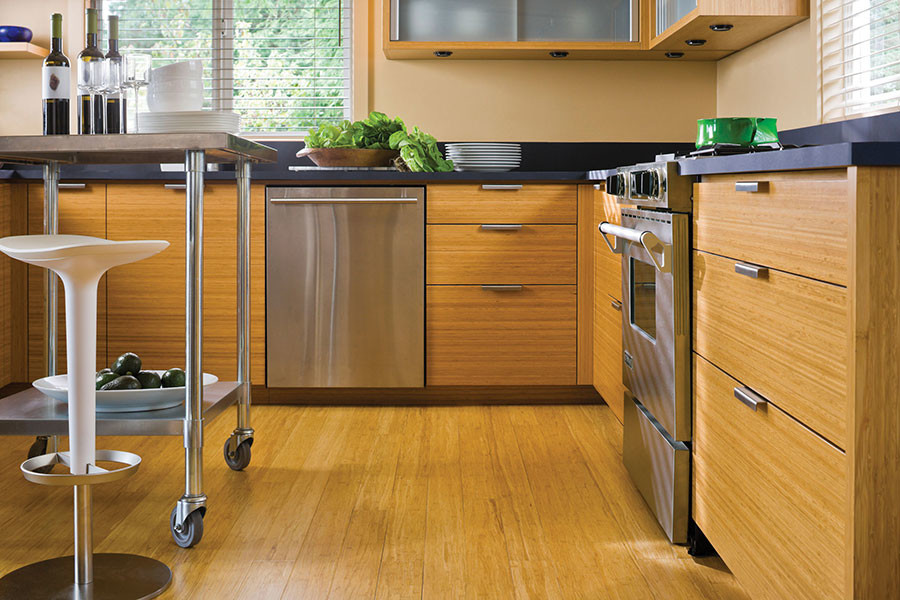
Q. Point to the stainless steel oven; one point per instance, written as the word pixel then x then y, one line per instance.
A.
pixel 655 247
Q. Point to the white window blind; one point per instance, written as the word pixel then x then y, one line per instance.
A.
pixel 859 44
pixel 284 65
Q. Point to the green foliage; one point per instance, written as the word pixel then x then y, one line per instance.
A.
pixel 379 132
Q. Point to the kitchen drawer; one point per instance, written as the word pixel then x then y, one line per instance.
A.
pixel 607 266
pixel 769 494
pixel 607 354
pixel 785 336
pixel 795 222
pixel 477 336
pixel 507 203
pixel 473 254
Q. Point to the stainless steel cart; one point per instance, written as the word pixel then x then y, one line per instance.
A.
pixel 31 413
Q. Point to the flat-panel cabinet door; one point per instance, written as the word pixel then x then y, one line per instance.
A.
pixel 146 298
pixel 82 211
pixel 608 353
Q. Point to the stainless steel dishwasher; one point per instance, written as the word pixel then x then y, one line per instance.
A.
pixel 345 287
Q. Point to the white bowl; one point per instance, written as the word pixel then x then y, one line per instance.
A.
pixel 177 85
pixel 186 69
pixel 57 387
pixel 174 101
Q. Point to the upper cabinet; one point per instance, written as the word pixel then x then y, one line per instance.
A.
pixel 581 29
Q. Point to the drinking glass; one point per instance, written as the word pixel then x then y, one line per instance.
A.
pixel 136 75
pixel 92 82
pixel 115 86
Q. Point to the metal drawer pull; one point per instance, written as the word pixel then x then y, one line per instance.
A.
pixel 750 186
pixel 501 186
pixel 616 304
pixel 647 239
pixel 72 186
pixel 754 271
pixel 343 200
pixel 500 227
pixel 502 288
pixel 597 186
pixel 750 398
pixel 175 186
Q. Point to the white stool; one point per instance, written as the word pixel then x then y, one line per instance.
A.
pixel 81 261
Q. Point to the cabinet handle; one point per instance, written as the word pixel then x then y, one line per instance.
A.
pixel 175 186
pixel 751 186
pixel 72 186
pixel 754 271
pixel 597 186
pixel 502 186
pixel 501 227
pixel 750 398
pixel 502 288
pixel 616 305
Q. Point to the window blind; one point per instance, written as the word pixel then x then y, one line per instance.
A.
pixel 859 45
pixel 284 65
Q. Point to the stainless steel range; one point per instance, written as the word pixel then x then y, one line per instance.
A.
pixel 654 243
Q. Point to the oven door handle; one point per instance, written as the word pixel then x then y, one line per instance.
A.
pixel 647 239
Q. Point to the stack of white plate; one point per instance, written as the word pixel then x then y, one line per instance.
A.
pixel 478 156
pixel 199 121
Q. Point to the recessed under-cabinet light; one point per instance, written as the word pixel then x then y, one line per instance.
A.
pixel 722 27
pixel 559 54
pixel 442 53
pixel 674 54
pixel 694 42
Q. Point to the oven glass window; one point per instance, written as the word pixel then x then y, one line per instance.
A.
pixel 643 297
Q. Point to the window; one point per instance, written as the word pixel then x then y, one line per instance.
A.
pixel 859 45
pixel 284 65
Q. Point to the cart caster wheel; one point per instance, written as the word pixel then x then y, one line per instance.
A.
pixel 39 448
pixel 240 458
pixel 191 531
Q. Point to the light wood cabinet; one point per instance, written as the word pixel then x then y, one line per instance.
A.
pixel 505 203
pixel 14 291
pixel 477 336
pixel 768 492
pixel 800 497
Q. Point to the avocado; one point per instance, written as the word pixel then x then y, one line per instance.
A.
pixel 149 379
pixel 127 364
pixel 173 378
pixel 125 382
pixel 104 377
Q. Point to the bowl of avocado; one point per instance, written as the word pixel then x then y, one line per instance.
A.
pixel 125 386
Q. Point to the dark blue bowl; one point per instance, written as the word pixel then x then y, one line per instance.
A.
pixel 14 33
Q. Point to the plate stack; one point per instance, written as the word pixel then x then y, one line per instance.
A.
pixel 199 121
pixel 477 156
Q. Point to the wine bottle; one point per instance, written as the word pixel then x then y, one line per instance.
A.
pixel 55 76
pixel 90 81
pixel 115 100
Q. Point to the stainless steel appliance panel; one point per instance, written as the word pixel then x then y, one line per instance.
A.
pixel 345 279
pixel 656 319
pixel 660 469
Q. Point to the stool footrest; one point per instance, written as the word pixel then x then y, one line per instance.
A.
pixel 95 474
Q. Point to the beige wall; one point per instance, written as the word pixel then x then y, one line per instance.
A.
pixel 777 77
pixel 542 100
pixel 455 100
pixel 20 80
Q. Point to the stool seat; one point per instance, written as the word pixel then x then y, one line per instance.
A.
pixel 55 252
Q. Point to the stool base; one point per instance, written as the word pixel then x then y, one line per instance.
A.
pixel 116 577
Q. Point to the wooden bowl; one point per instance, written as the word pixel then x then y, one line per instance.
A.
pixel 349 157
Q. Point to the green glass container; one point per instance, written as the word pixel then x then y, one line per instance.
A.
pixel 740 131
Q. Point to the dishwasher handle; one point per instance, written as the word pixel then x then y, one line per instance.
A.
pixel 343 200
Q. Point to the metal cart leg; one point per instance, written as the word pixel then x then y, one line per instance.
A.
pixel 237 447
pixel 187 518
pixel 46 444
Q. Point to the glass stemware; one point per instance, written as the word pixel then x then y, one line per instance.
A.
pixel 136 75
pixel 115 88
pixel 91 84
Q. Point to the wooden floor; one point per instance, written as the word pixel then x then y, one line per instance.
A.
pixel 445 502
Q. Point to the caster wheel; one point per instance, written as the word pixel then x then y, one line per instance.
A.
pixel 191 531
pixel 39 448
pixel 240 458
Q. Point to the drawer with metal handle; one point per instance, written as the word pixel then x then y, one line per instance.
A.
pixel 503 203
pixel 784 336
pixel 501 253
pixel 768 492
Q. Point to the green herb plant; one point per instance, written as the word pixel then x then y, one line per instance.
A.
pixel 418 151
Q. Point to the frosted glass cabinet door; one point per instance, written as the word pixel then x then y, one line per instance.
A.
pixel 453 20
pixel 579 20
pixel 668 12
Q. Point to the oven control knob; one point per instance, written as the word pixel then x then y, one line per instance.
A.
pixel 615 185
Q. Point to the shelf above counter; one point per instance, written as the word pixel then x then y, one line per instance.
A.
pixel 20 50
